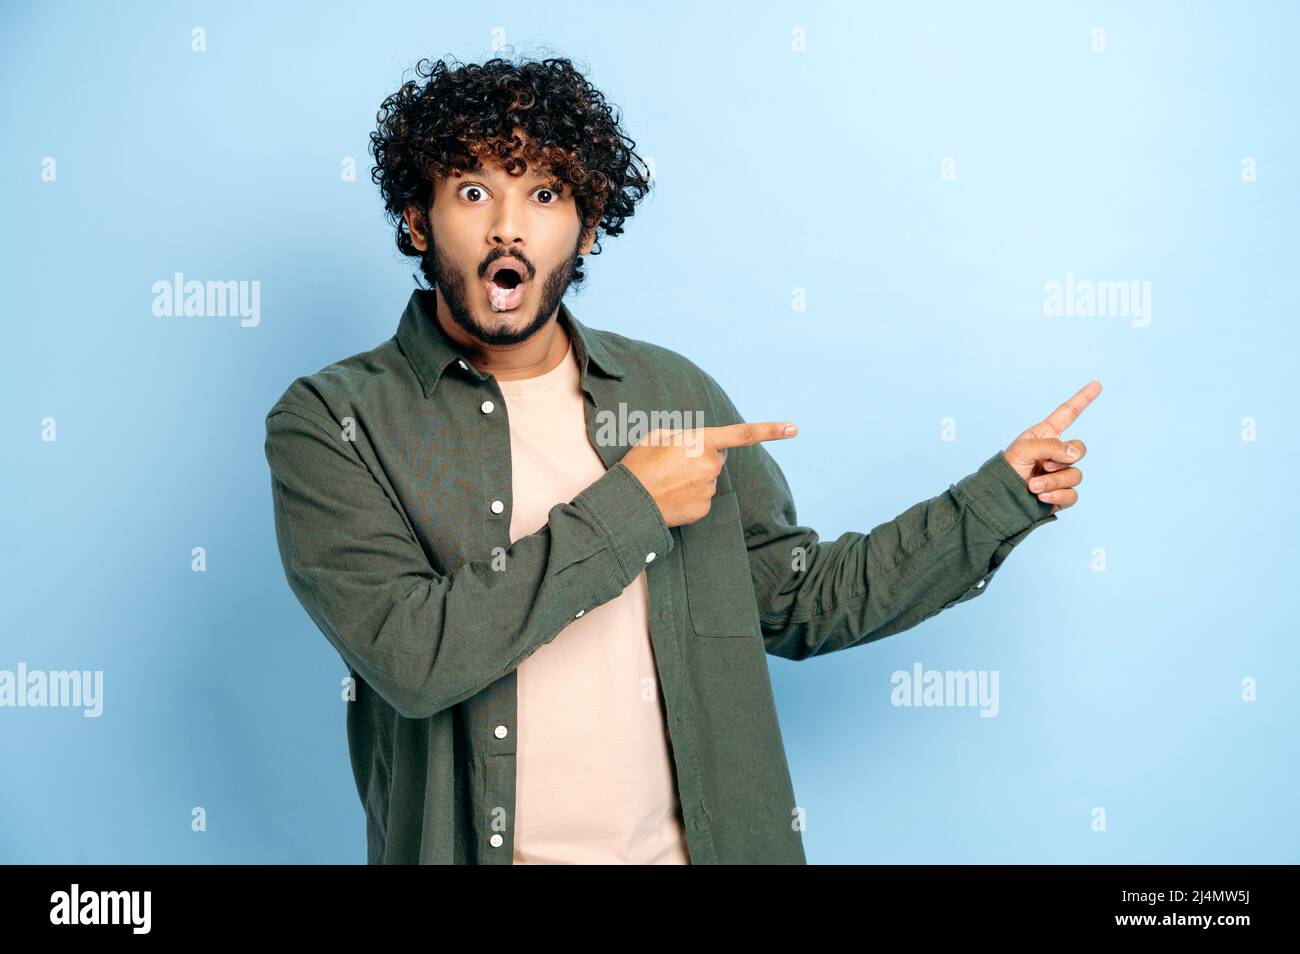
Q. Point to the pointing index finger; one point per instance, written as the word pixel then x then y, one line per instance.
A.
pixel 1067 413
pixel 739 435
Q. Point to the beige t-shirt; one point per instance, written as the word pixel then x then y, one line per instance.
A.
pixel 594 781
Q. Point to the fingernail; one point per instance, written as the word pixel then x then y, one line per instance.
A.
pixel 1044 497
pixel 1072 451
pixel 790 429
pixel 1035 485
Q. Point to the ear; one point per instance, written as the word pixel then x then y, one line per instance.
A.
pixel 415 222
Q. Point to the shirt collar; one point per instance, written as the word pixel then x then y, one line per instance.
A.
pixel 430 351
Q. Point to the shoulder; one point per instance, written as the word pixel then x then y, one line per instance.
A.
pixel 348 383
pixel 678 374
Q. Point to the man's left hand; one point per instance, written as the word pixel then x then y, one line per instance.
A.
pixel 1047 463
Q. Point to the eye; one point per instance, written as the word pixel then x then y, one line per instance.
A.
pixel 553 193
pixel 469 185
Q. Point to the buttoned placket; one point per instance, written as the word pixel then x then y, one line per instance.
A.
pixel 667 653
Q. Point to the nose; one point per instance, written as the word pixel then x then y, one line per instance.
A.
pixel 506 225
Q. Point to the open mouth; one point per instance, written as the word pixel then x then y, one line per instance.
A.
pixel 505 282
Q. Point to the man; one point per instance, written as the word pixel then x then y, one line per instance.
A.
pixel 556 628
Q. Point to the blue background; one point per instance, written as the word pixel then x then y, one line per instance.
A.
pixel 775 169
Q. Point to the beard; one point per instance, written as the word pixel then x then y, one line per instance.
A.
pixel 456 291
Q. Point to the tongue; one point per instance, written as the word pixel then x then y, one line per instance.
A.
pixel 501 296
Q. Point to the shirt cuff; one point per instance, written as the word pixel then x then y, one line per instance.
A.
pixel 631 519
pixel 1002 498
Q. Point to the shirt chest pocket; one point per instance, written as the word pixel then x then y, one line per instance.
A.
pixel 719 591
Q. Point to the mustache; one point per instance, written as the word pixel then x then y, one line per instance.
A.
pixel 517 256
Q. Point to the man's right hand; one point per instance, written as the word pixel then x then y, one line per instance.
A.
pixel 680 467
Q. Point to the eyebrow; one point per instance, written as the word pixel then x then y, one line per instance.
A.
pixel 495 172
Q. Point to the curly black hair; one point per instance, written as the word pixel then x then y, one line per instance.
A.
pixel 467 114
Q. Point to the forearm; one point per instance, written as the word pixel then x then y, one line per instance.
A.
pixel 426 640
pixel 817 597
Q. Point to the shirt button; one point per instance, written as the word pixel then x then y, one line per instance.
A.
pixel 649 556
pixel 500 732
pixel 579 613
pixel 496 841
pixel 663 614
pixel 487 407
pixel 463 365
pixel 497 506
pixel 979 585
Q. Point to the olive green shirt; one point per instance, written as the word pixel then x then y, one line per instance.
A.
pixel 391 489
